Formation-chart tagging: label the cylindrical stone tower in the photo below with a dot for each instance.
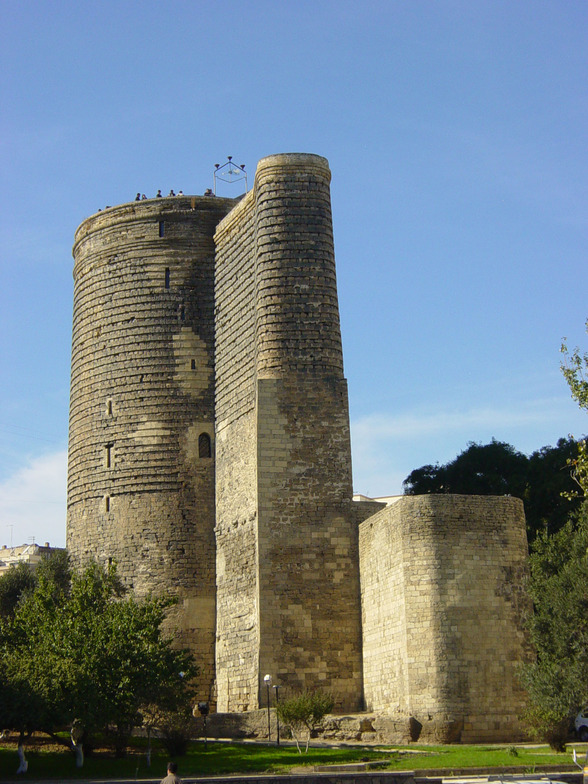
(297, 325)
(141, 439)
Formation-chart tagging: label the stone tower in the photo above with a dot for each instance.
(141, 438)
(443, 607)
(209, 455)
(287, 571)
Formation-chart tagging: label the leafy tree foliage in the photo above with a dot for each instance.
(14, 583)
(575, 370)
(556, 680)
(304, 712)
(549, 499)
(543, 481)
(79, 653)
(55, 569)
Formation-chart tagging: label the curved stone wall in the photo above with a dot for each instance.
(141, 448)
(297, 326)
(443, 606)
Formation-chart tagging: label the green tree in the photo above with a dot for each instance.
(304, 713)
(549, 496)
(56, 570)
(490, 469)
(14, 583)
(543, 480)
(82, 655)
(575, 371)
(556, 681)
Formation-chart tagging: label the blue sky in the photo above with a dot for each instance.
(456, 134)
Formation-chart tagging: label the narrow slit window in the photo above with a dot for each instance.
(107, 503)
(108, 455)
(162, 228)
(109, 408)
(167, 276)
(204, 445)
(193, 364)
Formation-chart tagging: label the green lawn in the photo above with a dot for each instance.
(224, 758)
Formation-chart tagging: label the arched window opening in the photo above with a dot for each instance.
(204, 445)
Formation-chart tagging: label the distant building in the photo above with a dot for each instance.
(31, 554)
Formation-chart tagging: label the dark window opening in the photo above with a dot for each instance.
(182, 314)
(193, 364)
(108, 456)
(107, 503)
(161, 228)
(109, 408)
(204, 445)
(167, 277)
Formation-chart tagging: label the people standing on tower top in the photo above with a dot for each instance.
(158, 194)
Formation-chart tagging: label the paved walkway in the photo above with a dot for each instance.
(368, 777)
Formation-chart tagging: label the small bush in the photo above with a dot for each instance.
(304, 712)
(176, 730)
(548, 725)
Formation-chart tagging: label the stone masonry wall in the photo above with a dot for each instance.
(236, 527)
(287, 565)
(308, 577)
(443, 597)
(141, 449)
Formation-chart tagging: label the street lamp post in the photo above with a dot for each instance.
(203, 708)
(277, 688)
(268, 682)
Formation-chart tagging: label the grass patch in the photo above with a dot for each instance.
(50, 762)
(456, 757)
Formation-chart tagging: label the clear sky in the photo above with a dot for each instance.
(456, 135)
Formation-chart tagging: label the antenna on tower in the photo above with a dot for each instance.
(229, 172)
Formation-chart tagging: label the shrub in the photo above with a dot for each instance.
(304, 712)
